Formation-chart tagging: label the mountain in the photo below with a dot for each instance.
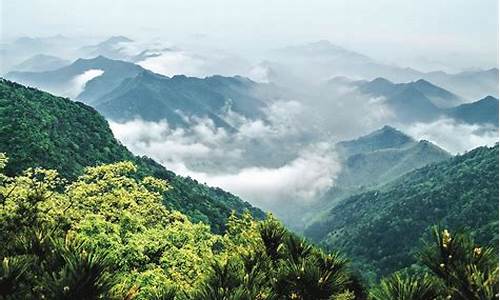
(323, 48)
(438, 96)
(73, 80)
(123, 91)
(411, 105)
(484, 111)
(111, 47)
(384, 155)
(468, 84)
(385, 138)
(381, 87)
(382, 227)
(423, 101)
(154, 97)
(371, 161)
(322, 59)
(319, 61)
(41, 63)
(38, 129)
(23, 48)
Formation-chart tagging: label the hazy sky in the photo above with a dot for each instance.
(461, 32)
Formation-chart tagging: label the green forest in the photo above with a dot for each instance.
(83, 218)
(383, 228)
(107, 235)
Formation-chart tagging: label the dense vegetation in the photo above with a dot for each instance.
(41, 130)
(107, 235)
(381, 229)
(372, 161)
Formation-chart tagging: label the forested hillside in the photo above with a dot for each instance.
(107, 235)
(381, 229)
(41, 130)
(384, 155)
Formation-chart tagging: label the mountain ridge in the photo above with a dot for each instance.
(446, 192)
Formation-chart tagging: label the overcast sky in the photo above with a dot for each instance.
(461, 32)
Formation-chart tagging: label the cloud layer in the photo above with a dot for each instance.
(452, 136)
(267, 162)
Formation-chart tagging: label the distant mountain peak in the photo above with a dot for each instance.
(423, 82)
(381, 80)
(149, 75)
(388, 131)
(484, 111)
(325, 48)
(116, 39)
(99, 58)
(489, 99)
(103, 62)
(386, 137)
(425, 144)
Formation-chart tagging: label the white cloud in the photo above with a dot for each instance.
(296, 183)
(77, 84)
(160, 141)
(170, 63)
(259, 73)
(264, 161)
(452, 136)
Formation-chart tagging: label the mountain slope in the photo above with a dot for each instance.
(384, 138)
(41, 63)
(411, 105)
(435, 94)
(484, 111)
(38, 129)
(469, 84)
(70, 80)
(423, 101)
(371, 161)
(373, 168)
(380, 157)
(382, 227)
(329, 60)
(110, 47)
(154, 97)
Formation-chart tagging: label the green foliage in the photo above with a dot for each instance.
(108, 235)
(407, 287)
(84, 274)
(39, 130)
(467, 270)
(457, 268)
(381, 230)
(282, 267)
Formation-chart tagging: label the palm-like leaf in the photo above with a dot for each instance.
(406, 287)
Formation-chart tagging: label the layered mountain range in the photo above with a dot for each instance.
(422, 101)
(123, 91)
